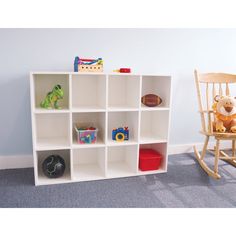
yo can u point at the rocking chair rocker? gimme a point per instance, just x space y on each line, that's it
217 83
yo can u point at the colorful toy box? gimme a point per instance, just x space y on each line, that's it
88 65
149 159
86 135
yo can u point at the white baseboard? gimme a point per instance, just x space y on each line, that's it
16 161
187 148
26 161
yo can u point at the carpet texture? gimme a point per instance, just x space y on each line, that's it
184 185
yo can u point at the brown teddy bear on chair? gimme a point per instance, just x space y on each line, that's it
224 110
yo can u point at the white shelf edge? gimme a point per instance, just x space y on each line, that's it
81 110
152 141
155 108
50 111
78 146
52 148
48 182
151 172
120 109
111 143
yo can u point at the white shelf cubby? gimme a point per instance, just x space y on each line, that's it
96 119
89 163
159 85
44 83
154 126
122 119
106 101
88 92
123 91
52 131
41 178
122 161
160 148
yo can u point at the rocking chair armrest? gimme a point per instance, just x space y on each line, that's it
206 111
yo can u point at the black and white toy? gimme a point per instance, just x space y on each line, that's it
54 166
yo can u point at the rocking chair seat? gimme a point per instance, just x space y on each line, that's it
218 135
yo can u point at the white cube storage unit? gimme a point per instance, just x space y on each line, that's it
106 101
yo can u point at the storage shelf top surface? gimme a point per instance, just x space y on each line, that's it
94 73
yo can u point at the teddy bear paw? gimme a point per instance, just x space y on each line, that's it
221 129
233 129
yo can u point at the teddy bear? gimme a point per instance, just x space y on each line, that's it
224 109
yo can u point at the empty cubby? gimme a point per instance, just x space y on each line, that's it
89 163
122 160
88 91
52 131
154 126
123 91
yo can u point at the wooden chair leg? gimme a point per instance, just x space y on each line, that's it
217 155
202 163
205 147
232 162
233 148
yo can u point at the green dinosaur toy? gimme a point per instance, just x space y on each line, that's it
52 98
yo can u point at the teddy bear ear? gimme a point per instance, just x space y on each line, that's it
217 98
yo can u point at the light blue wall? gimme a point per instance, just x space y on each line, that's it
173 51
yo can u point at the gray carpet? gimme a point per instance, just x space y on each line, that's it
185 185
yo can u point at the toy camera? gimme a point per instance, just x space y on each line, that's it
120 134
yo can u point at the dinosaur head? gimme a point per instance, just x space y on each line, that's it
58 91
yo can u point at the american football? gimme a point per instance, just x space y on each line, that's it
151 100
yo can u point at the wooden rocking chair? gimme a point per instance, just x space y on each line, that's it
213 84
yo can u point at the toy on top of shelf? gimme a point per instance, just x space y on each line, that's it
88 65
123 70
151 100
54 166
51 99
86 135
120 134
149 159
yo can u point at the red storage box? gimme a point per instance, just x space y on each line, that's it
149 159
